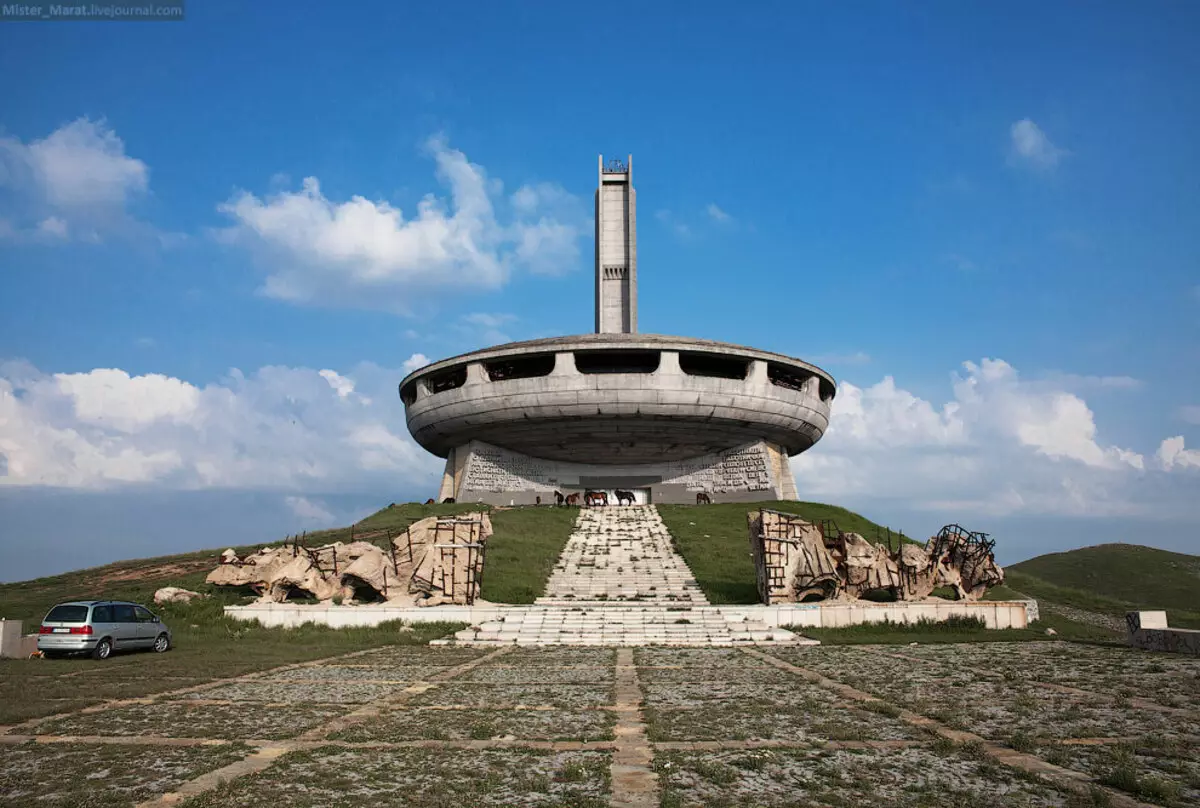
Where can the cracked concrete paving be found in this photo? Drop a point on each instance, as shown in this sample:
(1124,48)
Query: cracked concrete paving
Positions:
(1072,781)
(630,759)
(1140,703)
(265,755)
(634,782)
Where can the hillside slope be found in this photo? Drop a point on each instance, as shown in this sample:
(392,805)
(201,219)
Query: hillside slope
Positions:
(527,543)
(1124,572)
(137,579)
(1098,585)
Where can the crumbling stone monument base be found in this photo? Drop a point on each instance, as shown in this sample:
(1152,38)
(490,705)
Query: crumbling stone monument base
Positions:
(438,560)
(797,561)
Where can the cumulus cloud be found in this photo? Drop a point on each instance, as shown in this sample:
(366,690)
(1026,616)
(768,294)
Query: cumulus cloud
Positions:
(1172,454)
(1030,146)
(999,445)
(309,510)
(77,180)
(360,252)
(417,360)
(716,214)
(289,429)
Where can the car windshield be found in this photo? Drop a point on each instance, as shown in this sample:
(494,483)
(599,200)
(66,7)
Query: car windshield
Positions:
(67,614)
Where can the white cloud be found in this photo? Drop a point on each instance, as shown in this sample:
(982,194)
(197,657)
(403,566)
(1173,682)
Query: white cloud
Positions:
(78,178)
(1032,147)
(417,360)
(340,384)
(309,510)
(367,253)
(52,227)
(1171,453)
(1000,445)
(290,429)
(716,214)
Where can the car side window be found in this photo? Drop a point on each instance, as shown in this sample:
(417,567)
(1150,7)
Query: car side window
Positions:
(102,614)
(124,614)
(144,615)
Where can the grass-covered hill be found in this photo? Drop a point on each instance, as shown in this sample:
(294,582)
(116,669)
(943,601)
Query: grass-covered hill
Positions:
(1126,572)
(1111,579)
(1093,586)
(520,555)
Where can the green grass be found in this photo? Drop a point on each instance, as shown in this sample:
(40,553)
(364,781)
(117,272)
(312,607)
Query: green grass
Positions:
(925,632)
(1115,578)
(526,544)
(714,542)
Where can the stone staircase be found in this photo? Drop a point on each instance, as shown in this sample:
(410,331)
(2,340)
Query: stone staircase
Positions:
(620,582)
(621,553)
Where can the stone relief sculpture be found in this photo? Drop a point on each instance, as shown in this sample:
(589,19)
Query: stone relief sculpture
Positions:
(796,560)
(438,560)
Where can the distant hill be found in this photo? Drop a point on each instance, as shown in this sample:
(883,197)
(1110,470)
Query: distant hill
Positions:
(1097,585)
(1143,576)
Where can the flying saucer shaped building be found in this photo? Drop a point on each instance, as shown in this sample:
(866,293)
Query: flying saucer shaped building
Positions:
(664,417)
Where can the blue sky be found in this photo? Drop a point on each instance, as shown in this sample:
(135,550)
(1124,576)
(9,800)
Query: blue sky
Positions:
(888,191)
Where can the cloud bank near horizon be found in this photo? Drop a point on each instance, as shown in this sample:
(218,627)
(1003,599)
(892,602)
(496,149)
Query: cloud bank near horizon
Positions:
(999,445)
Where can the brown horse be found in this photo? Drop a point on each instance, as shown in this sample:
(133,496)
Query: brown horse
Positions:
(703,499)
(593,498)
(572,499)
(430,501)
(625,497)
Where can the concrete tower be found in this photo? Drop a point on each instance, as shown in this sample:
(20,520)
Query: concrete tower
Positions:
(616,249)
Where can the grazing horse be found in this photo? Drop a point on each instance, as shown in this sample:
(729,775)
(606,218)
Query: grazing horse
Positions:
(703,499)
(572,499)
(624,497)
(558,498)
(448,501)
(430,501)
(595,498)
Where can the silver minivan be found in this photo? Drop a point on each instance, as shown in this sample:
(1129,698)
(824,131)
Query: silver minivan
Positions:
(99,627)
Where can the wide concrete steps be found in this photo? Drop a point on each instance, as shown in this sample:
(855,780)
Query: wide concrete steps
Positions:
(621,553)
(623,625)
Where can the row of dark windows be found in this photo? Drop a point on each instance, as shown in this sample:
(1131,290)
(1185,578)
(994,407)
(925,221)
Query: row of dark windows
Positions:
(532,366)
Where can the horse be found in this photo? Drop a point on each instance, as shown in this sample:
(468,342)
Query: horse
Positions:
(448,501)
(703,499)
(431,501)
(572,499)
(593,498)
(558,498)
(624,497)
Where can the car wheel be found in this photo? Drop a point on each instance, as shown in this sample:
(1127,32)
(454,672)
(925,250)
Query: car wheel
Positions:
(103,649)
(161,643)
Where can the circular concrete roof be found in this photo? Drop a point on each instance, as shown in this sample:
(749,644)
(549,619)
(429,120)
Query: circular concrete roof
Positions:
(618,399)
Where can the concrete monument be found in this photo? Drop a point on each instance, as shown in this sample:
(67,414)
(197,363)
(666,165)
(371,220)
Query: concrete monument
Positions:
(665,419)
(797,561)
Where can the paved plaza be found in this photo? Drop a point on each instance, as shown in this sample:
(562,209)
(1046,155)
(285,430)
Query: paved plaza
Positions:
(1034,724)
